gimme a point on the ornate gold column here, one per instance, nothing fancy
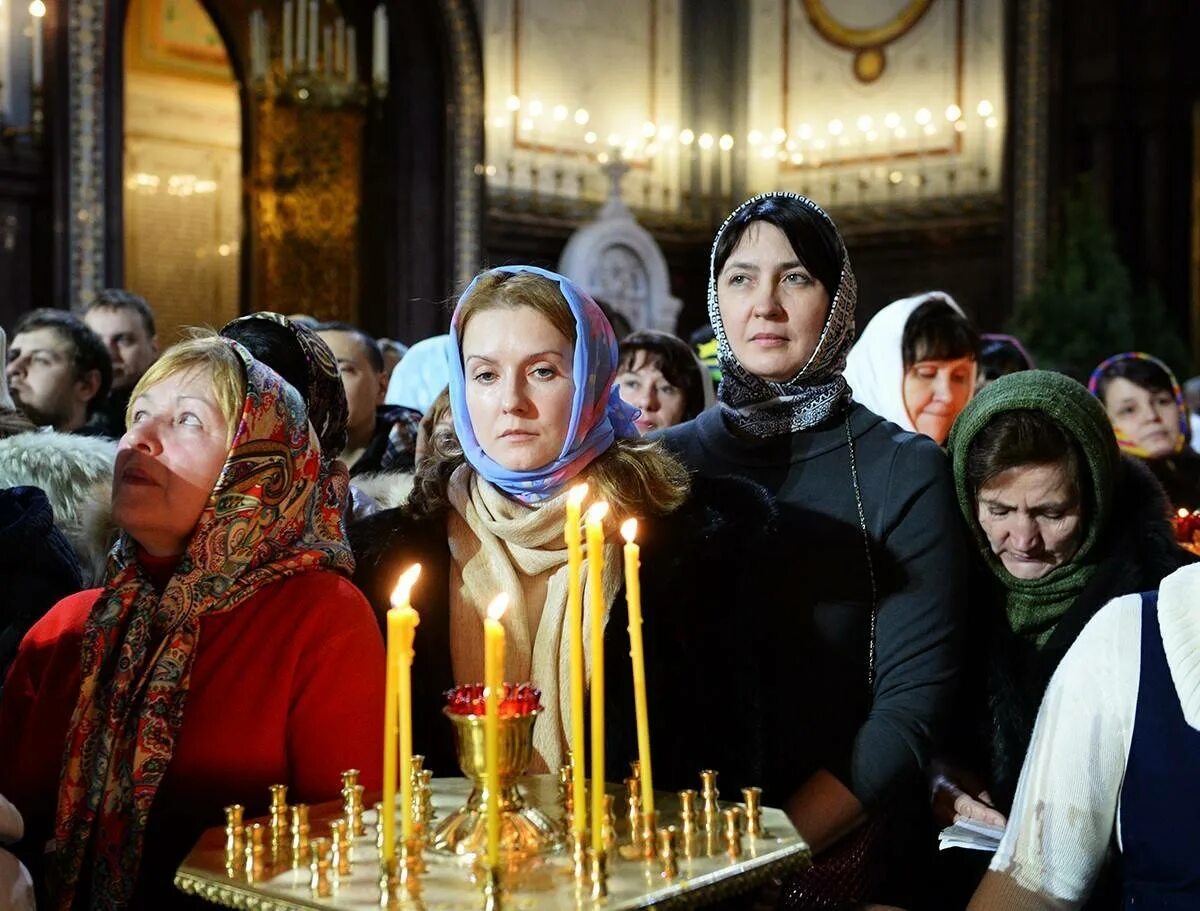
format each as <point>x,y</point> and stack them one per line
<point>305,194</point>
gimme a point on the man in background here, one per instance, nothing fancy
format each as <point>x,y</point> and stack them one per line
<point>125,323</point>
<point>58,370</point>
<point>380,438</point>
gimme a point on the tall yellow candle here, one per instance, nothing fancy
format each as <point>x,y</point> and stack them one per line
<point>595,552</point>
<point>493,681</point>
<point>402,621</point>
<point>633,598</point>
<point>574,536</point>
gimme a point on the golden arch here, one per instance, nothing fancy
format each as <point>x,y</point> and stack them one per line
<point>867,43</point>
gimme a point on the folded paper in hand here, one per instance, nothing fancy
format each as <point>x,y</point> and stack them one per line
<point>968,833</point>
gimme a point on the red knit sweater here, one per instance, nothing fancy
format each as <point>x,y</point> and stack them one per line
<point>286,688</point>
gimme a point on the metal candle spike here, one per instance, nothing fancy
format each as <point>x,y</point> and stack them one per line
<point>255,850</point>
<point>353,809</point>
<point>424,797</point>
<point>599,875</point>
<point>709,792</point>
<point>492,892</point>
<point>340,861</point>
<point>754,826</point>
<point>279,810</point>
<point>411,866</point>
<point>579,858</point>
<point>733,832</point>
<point>667,852</point>
<point>389,882</point>
<point>319,881</point>
<point>235,836</point>
<point>300,830</point>
<point>564,792</point>
<point>609,827</point>
<point>379,830</point>
<point>633,810</point>
<point>687,822</point>
<point>649,824</point>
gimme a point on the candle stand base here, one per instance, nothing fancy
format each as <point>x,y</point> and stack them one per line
<point>525,831</point>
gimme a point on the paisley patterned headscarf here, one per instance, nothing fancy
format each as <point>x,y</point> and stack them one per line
<point>1127,445</point>
<point>598,415</point>
<point>138,645</point>
<point>818,391</point>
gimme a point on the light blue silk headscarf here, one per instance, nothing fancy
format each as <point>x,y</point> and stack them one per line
<point>598,415</point>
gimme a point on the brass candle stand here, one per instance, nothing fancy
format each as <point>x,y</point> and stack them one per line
<point>690,849</point>
<point>525,831</point>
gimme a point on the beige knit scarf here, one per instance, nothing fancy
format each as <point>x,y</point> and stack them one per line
<point>498,544</point>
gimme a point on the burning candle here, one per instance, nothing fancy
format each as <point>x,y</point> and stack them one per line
<point>633,598</point>
<point>379,68</point>
<point>314,15</point>
<point>37,11</point>
<point>301,35</point>
<point>575,618</point>
<point>493,681</point>
<point>595,550</point>
<point>402,621</point>
<point>287,37</point>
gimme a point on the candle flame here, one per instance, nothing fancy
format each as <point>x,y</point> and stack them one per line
<point>407,580</point>
<point>576,494</point>
<point>596,512</point>
<point>629,530</point>
<point>499,605</point>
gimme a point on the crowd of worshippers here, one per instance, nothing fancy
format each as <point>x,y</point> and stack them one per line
<point>900,581</point>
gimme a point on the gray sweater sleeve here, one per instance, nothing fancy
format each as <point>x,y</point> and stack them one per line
<point>918,630</point>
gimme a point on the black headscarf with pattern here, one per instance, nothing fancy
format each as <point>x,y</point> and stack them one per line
<point>817,392</point>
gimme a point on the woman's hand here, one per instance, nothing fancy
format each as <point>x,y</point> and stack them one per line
<point>955,795</point>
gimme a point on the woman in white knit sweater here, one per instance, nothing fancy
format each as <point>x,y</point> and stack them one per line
<point>1115,747</point>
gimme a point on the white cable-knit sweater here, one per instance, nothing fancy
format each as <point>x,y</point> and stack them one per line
<point>1067,801</point>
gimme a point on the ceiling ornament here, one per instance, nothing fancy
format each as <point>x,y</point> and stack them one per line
<point>868,44</point>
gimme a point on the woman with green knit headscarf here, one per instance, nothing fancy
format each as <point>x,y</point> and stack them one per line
<point>1063,523</point>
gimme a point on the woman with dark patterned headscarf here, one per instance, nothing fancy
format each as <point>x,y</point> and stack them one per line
<point>869,512</point>
<point>297,353</point>
<point>227,650</point>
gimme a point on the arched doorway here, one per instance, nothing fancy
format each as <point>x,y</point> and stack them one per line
<point>182,157</point>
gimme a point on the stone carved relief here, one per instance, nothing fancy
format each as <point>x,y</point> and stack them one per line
<point>616,260</point>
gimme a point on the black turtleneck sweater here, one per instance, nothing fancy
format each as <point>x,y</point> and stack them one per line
<point>873,740</point>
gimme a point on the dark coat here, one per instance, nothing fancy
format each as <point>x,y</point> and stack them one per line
<point>37,566</point>
<point>1139,551</point>
<point>721,632</point>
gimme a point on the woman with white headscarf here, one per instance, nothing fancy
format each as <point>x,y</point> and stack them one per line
<point>915,364</point>
<point>865,510</point>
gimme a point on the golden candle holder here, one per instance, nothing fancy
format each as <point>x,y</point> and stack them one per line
<point>492,891</point>
<point>667,852</point>
<point>235,836</point>
<point>599,875</point>
<point>720,863</point>
<point>525,831</point>
<point>753,800</point>
<point>300,834</point>
<point>255,851</point>
<point>319,882</point>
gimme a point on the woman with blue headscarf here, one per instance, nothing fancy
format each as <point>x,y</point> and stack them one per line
<point>532,367</point>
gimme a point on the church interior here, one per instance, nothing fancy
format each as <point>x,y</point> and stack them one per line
<point>362,162</point>
<point>859,338</point>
